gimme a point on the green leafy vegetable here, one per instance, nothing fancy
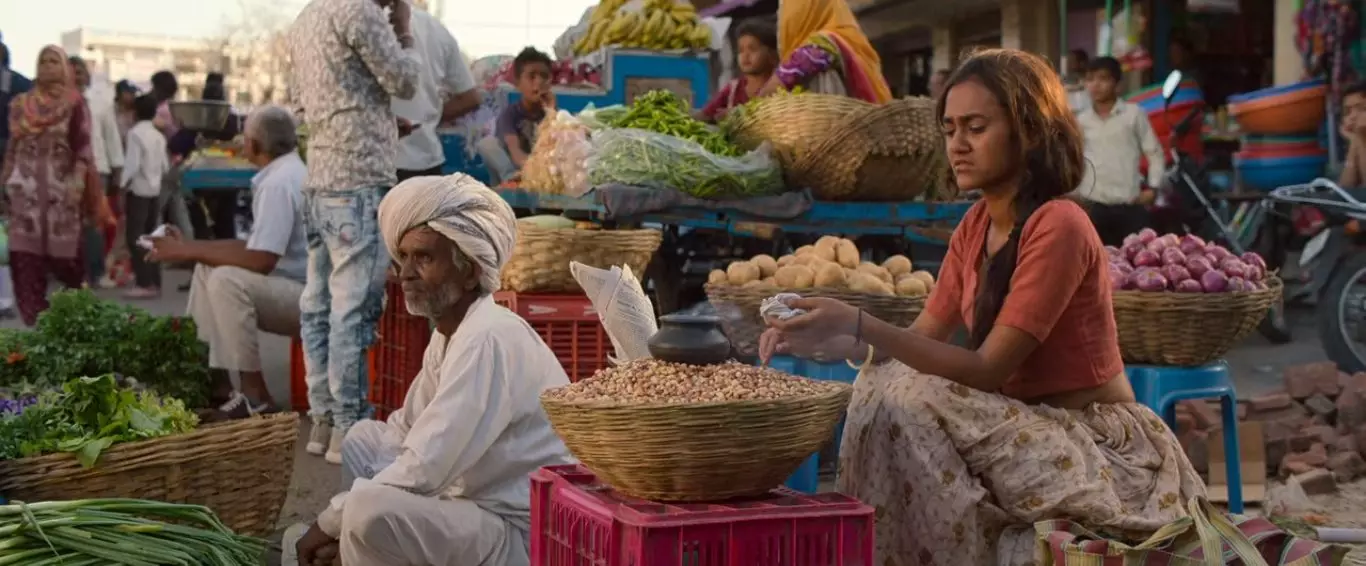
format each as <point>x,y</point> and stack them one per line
<point>89,415</point>
<point>661,111</point>
<point>649,159</point>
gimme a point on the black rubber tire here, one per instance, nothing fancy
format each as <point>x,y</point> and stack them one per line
<point>1335,344</point>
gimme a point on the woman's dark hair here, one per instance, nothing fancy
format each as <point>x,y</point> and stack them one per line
<point>1049,154</point>
<point>145,107</point>
<point>761,29</point>
<point>1354,88</point>
<point>214,91</point>
<point>164,85</point>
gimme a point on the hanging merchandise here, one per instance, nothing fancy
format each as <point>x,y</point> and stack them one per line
<point>1126,31</point>
<point>1327,32</point>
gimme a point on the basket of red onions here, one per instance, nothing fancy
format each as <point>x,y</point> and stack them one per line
<point>1180,300</point>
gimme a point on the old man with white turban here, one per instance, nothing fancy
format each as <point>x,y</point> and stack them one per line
<point>446,479</point>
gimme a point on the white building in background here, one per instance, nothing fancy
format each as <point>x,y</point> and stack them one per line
<point>253,74</point>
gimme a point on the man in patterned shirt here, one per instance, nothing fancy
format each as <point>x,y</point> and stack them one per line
<point>349,61</point>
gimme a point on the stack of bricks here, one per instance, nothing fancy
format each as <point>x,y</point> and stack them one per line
<point>1314,428</point>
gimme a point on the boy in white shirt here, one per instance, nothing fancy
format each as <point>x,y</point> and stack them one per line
<point>1118,136</point>
<point>144,166</point>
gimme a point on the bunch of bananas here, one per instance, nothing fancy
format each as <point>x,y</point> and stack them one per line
<point>661,24</point>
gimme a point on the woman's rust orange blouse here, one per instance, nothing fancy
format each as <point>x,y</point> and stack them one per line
<point>1060,295</point>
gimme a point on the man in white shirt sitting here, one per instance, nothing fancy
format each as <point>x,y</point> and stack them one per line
<point>446,480</point>
<point>445,92</point>
<point>1118,135</point>
<point>242,287</point>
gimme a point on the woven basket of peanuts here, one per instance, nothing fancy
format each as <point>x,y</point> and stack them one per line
<point>547,245</point>
<point>893,291</point>
<point>665,431</point>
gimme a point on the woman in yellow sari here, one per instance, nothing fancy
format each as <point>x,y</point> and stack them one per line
<point>823,50</point>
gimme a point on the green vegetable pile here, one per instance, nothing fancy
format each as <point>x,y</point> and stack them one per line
<point>657,144</point>
<point>129,532</point>
<point>87,416</point>
<point>82,335</point>
<point>662,112</point>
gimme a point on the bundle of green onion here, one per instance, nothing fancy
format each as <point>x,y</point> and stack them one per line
<point>130,532</point>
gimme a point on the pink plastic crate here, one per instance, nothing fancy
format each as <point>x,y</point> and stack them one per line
<point>578,521</point>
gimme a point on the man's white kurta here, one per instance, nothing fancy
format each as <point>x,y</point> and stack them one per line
<point>472,427</point>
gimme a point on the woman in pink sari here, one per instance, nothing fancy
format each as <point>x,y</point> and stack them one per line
<point>50,184</point>
<point>824,50</point>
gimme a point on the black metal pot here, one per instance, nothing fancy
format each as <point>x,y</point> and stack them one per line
<point>690,339</point>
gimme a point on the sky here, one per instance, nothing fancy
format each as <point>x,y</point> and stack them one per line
<point>483,27</point>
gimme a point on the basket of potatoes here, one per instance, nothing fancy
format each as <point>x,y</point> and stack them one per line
<point>666,431</point>
<point>547,244</point>
<point>833,267</point>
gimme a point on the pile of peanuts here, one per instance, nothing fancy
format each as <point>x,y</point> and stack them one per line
<point>653,382</point>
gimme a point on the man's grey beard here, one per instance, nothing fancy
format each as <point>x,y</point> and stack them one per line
<point>432,308</point>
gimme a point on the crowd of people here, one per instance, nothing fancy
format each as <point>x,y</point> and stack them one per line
<point>960,447</point>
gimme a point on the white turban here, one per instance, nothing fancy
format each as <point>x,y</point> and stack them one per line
<point>458,207</point>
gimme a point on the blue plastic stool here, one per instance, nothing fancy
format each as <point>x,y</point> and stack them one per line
<point>806,479</point>
<point>1161,387</point>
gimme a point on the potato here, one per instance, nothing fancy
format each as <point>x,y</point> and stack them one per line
<point>769,281</point>
<point>717,277</point>
<point>830,275</point>
<point>876,271</point>
<point>783,261</point>
<point>925,276</point>
<point>897,265</point>
<point>827,251</point>
<point>794,277</point>
<point>912,287</point>
<point>767,265</point>
<point>846,253</point>
<point>828,241</point>
<point>804,250</point>
<point>742,272</point>
<point>870,284</point>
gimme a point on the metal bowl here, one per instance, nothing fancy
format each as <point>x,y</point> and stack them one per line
<point>208,115</point>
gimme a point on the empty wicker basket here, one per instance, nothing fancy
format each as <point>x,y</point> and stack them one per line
<point>793,124</point>
<point>1187,329</point>
<point>240,470</point>
<point>892,152</point>
<point>540,262</point>
<point>697,451</point>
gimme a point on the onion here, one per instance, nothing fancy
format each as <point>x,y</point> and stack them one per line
<point>1150,279</point>
<point>1131,239</point>
<point>1157,245</point>
<point>1147,235</point>
<point>1111,251</point>
<point>1234,267</point>
<point>1258,265</point>
<point>1189,286</point>
<point>1122,265</point>
<point>1173,241</point>
<point>1198,265</point>
<point>1214,281</point>
<point>1217,253</point>
<point>1118,277</point>
<point>1239,285</point>
<point>1147,258</point>
<point>1175,273</point>
<point>1173,256</point>
<point>1131,249</point>
<point>1191,242</point>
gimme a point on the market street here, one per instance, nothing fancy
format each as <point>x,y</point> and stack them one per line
<point>1257,367</point>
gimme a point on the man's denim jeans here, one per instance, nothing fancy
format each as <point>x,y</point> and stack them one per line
<point>342,301</point>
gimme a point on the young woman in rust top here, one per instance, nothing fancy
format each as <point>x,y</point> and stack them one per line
<point>962,449</point>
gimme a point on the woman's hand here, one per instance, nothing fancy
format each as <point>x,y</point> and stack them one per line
<point>774,342</point>
<point>827,328</point>
<point>770,87</point>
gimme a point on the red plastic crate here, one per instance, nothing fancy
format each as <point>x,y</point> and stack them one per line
<point>396,356</point>
<point>568,324</point>
<point>578,521</point>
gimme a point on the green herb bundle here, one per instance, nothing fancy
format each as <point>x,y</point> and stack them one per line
<point>80,335</point>
<point>648,159</point>
<point>129,532</point>
<point>89,415</point>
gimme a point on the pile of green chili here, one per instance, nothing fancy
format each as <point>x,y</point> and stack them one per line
<point>657,144</point>
<point>130,532</point>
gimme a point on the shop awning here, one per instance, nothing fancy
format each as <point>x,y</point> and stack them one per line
<point>722,8</point>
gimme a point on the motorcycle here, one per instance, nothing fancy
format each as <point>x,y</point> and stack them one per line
<point>1190,184</point>
<point>1336,267</point>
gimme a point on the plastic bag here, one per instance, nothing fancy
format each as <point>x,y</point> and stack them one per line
<point>4,243</point>
<point>638,157</point>
<point>599,118</point>
<point>557,164</point>
<point>625,311</point>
